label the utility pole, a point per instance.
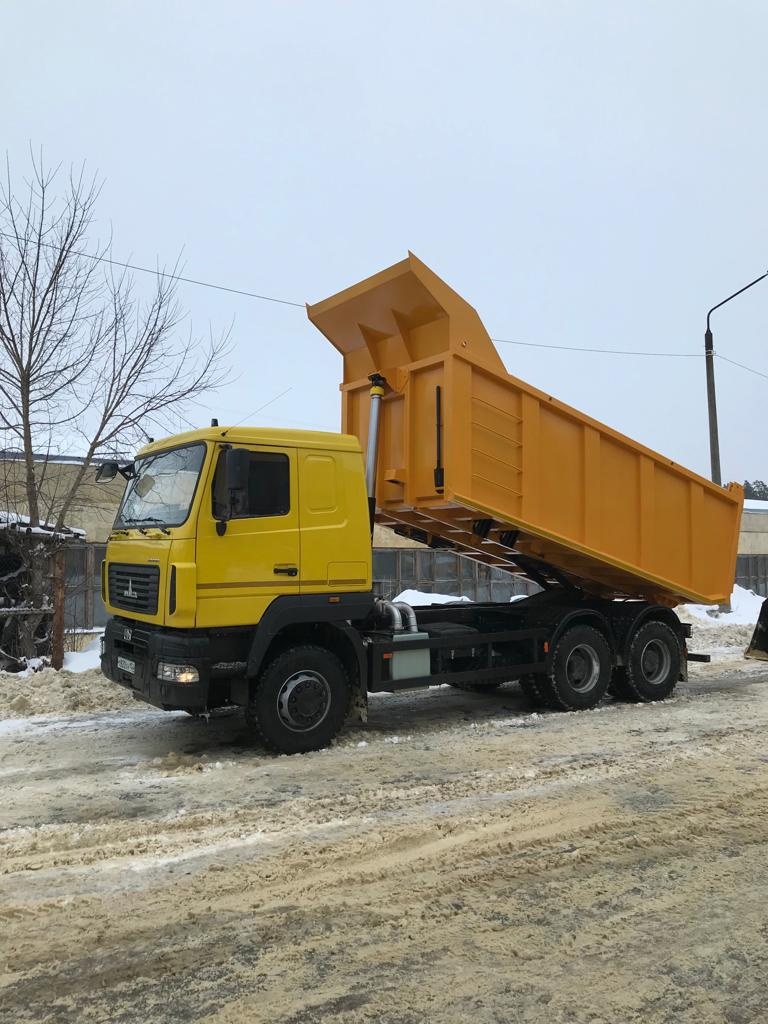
(709, 360)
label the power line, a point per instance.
(749, 369)
(161, 273)
(301, 305)
(602, 351)
(263, 406)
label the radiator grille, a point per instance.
(134, 587)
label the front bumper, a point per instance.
(145, 646)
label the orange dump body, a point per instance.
(523, 481)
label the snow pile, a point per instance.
(50, 692)
(745, 608)
(80, 686)
(724, 635)
(86, 660)
(417, 597)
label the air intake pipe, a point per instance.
(394, 614)
(407, 613)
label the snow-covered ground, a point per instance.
(457, 858)
(152, 860)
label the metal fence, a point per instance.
(394, 570)
(752, 573)
(83, 606)
(442, 572)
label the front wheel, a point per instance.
(300, 701)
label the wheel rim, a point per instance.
(655, 662)
(303, 701)
(582, 669)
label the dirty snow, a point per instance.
(157, 868)
(457, 858)
(50, 692)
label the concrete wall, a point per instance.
(753, 538)
(93, 509)
(383, 537)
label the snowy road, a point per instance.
(458, 858)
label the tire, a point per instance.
(533, 690)
(580, 670)
(475, 687)
(300, 701)
(653, 663)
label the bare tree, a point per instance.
(87, 365)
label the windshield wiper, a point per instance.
(147, 519)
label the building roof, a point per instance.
(15, 521)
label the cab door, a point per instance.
(256, 559)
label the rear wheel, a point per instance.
(580, 672)
(653, 663)
(300, 701)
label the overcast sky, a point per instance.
(590, 174)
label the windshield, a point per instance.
(161, 492)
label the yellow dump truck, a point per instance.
(238, 571)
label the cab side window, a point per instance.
(268, 492)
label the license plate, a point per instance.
(126, 665)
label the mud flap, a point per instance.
(358, 711)
(758, 645)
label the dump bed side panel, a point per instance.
(527, 481)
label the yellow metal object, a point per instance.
(522, 475)
(231, 579)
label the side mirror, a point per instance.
(106, 471)
(234, 486)
(237, 462)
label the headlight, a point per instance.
(177, 673)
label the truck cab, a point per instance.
(216, 527)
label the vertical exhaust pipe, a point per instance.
(372, 452)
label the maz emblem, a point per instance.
(130, 592)
(127, 634)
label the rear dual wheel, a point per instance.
(579, 675)
(580, 670)
(653, 665)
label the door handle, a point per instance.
(285, 570)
